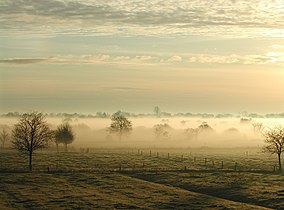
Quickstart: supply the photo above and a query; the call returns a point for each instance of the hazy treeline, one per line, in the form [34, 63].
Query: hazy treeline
[160, 132]
[160, 114]
[151, 132]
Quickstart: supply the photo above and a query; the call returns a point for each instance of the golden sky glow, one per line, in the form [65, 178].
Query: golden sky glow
[188, 56]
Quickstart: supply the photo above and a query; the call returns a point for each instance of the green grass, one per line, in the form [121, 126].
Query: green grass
[93, 180]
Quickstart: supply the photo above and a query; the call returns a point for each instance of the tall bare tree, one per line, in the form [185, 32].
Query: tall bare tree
[120, 124]
[30, 134]
[64, 134]
[4, 137]
[274, 139]
[162, 131]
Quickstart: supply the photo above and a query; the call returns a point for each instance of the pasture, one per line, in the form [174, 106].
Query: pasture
[143, 178]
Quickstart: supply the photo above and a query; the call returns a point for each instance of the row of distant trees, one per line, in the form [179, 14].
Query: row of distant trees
[32, 133]
[157, 112]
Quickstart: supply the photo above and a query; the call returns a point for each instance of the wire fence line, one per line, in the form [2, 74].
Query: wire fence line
[136, 160]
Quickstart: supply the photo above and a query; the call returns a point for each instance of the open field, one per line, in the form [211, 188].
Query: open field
[125, 178]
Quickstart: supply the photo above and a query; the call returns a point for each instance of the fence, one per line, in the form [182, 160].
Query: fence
[136, 160]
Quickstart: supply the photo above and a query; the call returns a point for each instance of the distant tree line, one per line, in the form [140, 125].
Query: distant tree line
[32, 132]
[157, 112]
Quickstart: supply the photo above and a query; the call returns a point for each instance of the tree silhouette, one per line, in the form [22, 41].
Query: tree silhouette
[204, 127]
[120, 124]
[274, 139]
[30, 134]
[157, 111]
[64, 134]
[257, 127]
[4, 137]
[162, 131]
[191, 133]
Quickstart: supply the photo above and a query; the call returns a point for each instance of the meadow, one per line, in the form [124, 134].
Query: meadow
[146, 178]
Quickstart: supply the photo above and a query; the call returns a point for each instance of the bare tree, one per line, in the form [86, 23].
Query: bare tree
[204, 127]
[257, 127]
[120, 124]
[4, 137]
[162, 131]
[64, 134]
[191, 133]
[30, 134]
[274, 139]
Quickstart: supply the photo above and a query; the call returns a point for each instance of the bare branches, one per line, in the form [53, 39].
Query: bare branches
[274, 139]
[162, 131]
[64, 134]
[120, 124]
[31, 133]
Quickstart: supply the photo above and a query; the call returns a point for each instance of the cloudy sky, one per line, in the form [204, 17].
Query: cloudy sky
[185, 56]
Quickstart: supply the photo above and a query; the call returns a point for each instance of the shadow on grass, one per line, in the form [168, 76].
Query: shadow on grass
[232, 189]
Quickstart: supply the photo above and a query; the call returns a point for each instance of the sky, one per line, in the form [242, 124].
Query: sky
[184, 56]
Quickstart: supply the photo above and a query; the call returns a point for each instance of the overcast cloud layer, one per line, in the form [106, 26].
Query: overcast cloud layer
[183, 55]
[222, 17]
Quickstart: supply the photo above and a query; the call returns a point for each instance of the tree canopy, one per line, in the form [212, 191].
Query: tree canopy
[120, 124]
[162, 131]
[64, 134]
[30, 134]
[274, 139]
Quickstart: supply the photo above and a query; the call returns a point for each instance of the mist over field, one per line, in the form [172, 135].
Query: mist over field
[226, 132]
[200, 89]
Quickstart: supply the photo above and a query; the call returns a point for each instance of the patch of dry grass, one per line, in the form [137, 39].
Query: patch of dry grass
[99, 191]
[93, 180]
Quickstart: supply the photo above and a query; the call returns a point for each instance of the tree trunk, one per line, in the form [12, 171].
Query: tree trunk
[65, 147]
[30, 161]
[57, 147]
[279, 161]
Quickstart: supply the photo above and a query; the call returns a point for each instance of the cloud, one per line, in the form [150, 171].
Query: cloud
[211, 17]
[23, 60]
[175, 58]
[184, 59]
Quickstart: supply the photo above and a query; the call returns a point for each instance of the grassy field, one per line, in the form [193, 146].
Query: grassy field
[125, 178]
